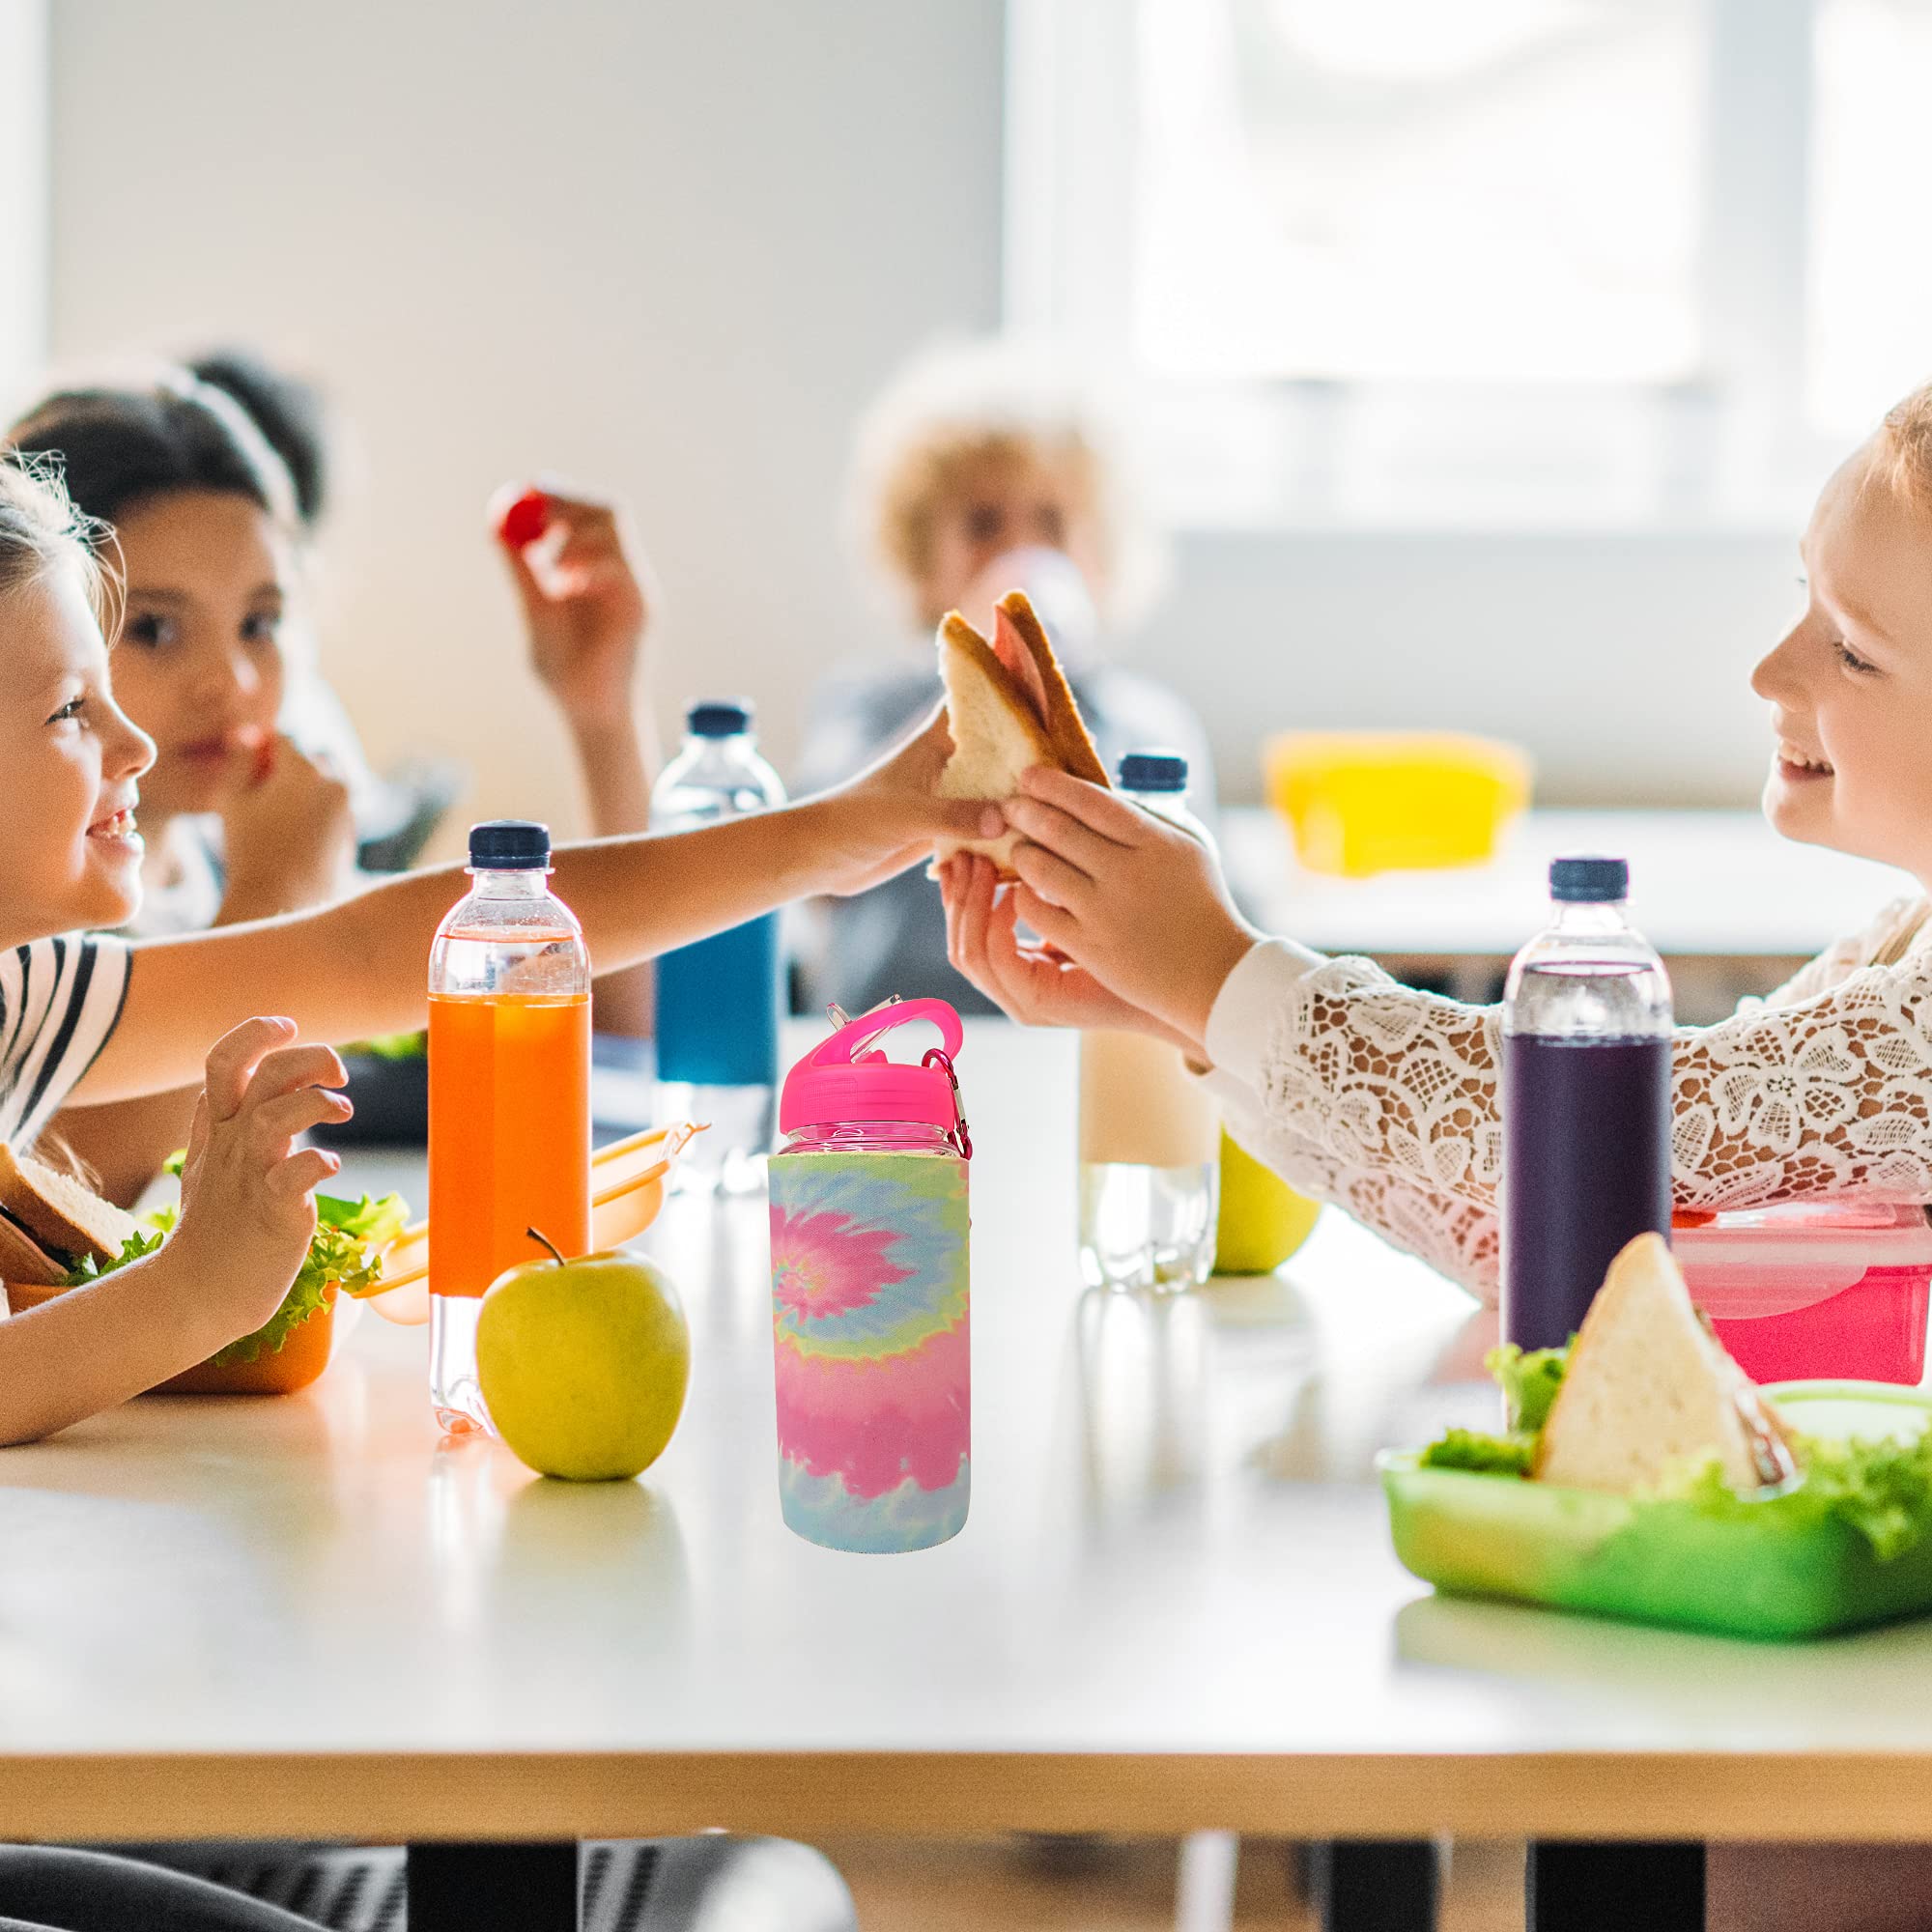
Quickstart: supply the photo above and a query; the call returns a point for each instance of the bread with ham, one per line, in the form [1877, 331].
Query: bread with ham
[1008, 707]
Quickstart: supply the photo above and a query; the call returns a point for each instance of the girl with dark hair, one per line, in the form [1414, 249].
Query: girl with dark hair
[248, 810]
[289, 412]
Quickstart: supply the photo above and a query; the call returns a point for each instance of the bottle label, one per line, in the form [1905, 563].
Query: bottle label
[718, 1009]
[869, 1276]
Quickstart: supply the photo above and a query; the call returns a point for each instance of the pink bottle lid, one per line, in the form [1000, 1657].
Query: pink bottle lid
[847, 1078]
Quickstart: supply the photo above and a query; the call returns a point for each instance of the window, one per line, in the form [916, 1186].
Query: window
[1870, 289]
[1590, 261]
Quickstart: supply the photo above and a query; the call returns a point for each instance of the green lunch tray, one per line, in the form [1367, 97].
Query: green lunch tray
[1665, 1562]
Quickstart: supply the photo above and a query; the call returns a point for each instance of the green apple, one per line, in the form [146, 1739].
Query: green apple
[585, 1363]
[1262, 1219]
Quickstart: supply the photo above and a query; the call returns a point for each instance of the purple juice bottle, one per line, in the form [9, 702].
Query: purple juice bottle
[1586, 1104]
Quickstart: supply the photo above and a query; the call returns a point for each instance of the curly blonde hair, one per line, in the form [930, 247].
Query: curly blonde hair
[964, 408]
[1905, 448]
[41, 531]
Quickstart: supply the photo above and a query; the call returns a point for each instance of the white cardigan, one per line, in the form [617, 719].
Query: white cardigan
[1385, 1100]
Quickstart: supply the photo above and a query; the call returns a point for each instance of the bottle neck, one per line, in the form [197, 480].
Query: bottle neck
[527, 883]
[728, 744]
[1169, 805]
[870, 1137]
[1584, 918]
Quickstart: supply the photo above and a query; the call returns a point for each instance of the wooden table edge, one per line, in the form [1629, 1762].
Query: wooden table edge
[372, 1797]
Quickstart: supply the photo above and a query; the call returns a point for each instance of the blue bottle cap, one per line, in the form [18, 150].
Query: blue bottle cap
[1153, 771]
[719, 718]
[510, 846]
[1589, 881]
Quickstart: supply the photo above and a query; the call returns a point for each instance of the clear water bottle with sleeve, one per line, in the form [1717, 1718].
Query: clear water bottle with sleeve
[870, 1286]
[719, 1001]
[1585, 1102]
[1150, 1135]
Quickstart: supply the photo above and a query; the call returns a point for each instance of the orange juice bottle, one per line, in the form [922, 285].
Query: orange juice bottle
[509, 1094]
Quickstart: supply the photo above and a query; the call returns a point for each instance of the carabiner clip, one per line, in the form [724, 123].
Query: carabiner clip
[961, 1135]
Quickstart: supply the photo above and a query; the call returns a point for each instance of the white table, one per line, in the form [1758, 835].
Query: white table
[1704, 886]
[1174, 1605]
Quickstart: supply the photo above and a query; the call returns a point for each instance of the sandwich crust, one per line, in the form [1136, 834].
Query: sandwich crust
[60, 1213]
[23, 1259]
[1073, 749]
[997, 729]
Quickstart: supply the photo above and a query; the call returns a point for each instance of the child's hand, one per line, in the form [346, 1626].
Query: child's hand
[287, 836]
[247, 1210]
[891, 816]
[1038, 986]
[1136, 901]
[587, 592]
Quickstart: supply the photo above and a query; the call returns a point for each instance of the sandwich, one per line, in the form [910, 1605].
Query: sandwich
[50, 1225]
[1644, 1398]
[56, 1234]
[1649, 1389]
[1008, 707]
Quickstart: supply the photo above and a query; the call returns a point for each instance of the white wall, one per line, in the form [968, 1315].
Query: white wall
[23, 168]
[669, 247]
[1621, 662]
[672, 248]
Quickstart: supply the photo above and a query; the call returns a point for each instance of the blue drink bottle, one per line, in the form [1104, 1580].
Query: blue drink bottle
[718, 1001]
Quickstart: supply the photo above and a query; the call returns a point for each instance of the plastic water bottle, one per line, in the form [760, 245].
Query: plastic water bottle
[509, 1094]
[1586, 1104]
[718, 1001]
[1150, 1136]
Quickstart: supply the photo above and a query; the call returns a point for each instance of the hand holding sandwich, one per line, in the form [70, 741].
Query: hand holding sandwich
[246, 1224]
[1037, 986]
[1136, 901]
[892, 814]
[1139, 931]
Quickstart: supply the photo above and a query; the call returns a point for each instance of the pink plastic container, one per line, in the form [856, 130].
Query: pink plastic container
[1815, 1289]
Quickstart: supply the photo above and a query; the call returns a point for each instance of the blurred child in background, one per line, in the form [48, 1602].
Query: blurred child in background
[982, 468]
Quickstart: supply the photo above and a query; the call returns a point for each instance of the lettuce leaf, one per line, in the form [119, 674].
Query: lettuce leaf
[1528, 1381]
[1511, 1455]
[392, 1046]
[136, 1247]
[349, 1237]
[1882, 1488]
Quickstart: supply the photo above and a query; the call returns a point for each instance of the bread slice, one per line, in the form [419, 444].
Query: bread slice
[24, 1261]
[1009, 707]
[60, 1213]
[1649, 1386]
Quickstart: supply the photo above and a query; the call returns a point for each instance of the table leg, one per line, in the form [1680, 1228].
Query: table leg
[493, 1888]
[1583, 1888]
[1384, 1884]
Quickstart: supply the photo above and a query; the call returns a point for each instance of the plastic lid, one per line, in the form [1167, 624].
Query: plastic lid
[719, 716]
[510, 846]
[848, 1078]
[1793, 1229]
[1153, 771]
[1590, 880]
